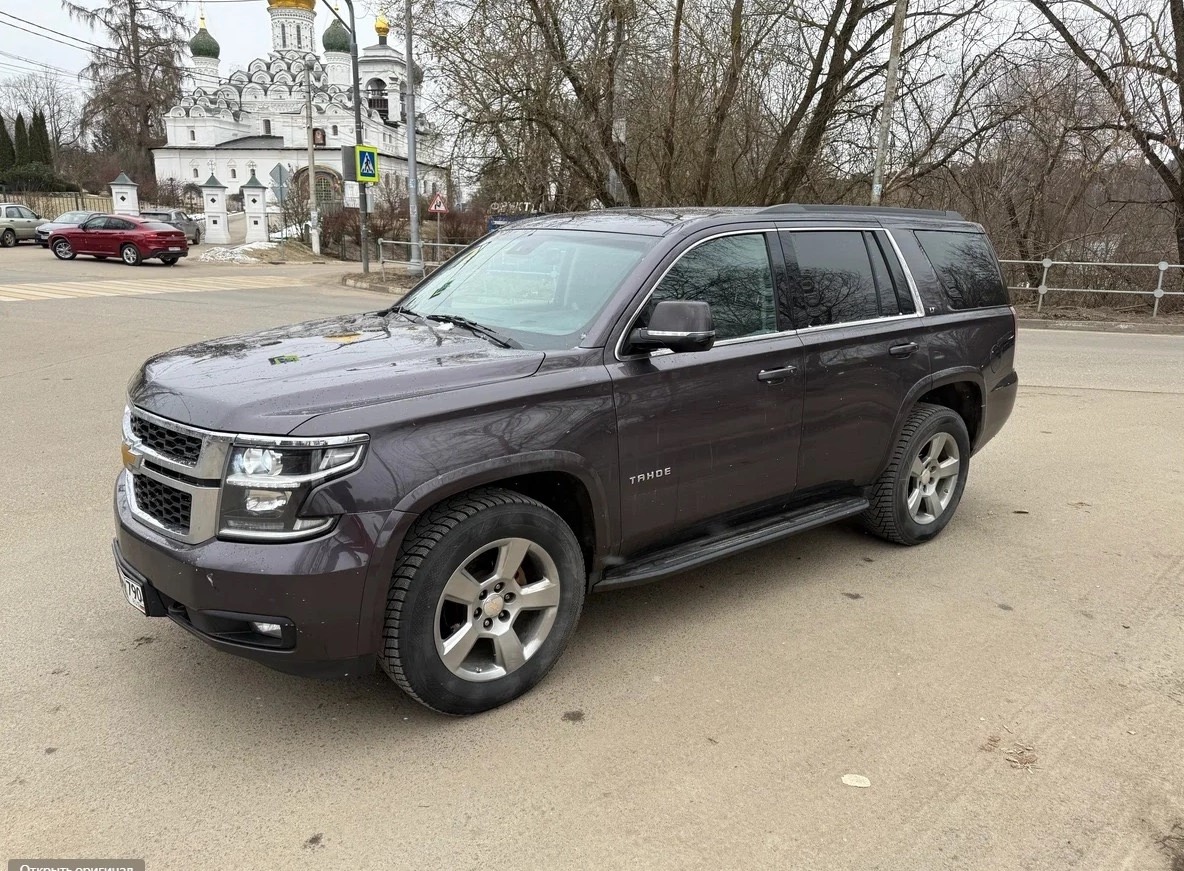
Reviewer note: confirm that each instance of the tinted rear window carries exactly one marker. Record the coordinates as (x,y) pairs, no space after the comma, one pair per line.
(158,227)
(966,267)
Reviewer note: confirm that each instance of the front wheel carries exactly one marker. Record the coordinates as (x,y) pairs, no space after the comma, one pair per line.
(920,490)
(63,250)
(8,239)
(486,593)
(130,255)
(197,238)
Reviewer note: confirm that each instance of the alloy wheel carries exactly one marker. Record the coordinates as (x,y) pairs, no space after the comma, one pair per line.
(933,478)
(497,609)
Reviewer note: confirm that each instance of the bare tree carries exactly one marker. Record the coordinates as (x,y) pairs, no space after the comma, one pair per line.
(50,94)
(137,77)
(1135,51)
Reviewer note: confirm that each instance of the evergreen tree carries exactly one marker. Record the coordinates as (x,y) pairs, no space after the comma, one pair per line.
(7,149)
(40,149)
(22,140)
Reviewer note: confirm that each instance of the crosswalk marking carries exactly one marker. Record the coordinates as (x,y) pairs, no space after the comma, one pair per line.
(36,291)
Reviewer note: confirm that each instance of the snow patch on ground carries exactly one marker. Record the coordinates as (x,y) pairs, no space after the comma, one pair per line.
(236,253)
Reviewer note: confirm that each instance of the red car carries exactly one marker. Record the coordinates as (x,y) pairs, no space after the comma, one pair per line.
(132,240)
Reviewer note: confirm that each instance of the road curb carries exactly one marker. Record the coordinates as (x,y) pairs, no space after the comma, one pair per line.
(1103,326)
(375,285)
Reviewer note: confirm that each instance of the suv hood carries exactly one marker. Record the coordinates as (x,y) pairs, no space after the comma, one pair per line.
(271,381)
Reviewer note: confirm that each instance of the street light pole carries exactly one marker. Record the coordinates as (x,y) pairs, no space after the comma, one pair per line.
(314,218)
(889,101)
(415,264)
(359,138)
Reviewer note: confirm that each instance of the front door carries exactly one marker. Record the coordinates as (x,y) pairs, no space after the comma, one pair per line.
(708,433)
(27,223)
(864,350)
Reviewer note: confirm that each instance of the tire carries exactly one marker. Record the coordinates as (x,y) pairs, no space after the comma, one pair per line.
(130,255)
(8,239)
(63,250)
(100,257)
(432,608)
(915,475)
(169,261)
(196,238)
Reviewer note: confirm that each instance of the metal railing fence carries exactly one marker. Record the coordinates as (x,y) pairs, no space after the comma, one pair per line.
(1138,285)
(434,253)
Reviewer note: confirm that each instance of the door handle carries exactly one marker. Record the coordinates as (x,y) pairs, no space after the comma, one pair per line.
(774,376)
(906,350)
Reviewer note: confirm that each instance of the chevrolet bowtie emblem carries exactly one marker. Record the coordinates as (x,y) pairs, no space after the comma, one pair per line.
(131,459)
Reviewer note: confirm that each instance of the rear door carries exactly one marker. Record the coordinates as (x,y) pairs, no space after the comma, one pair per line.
(27,223)
(709,433)
(864,349)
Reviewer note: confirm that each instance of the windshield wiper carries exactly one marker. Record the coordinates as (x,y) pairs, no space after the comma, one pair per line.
(474,327)
(398,309)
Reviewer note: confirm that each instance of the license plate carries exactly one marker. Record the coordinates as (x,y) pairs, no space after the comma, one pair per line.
(133,591)
(175,248)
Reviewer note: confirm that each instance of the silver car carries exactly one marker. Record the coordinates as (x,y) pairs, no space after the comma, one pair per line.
(17,224)
(61,222)
(178,219)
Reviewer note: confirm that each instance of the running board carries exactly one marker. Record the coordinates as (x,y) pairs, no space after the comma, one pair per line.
(701,551)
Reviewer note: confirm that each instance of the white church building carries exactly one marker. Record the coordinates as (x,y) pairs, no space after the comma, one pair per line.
(256,119)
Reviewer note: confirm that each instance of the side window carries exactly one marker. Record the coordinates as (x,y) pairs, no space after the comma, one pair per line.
(27,213)
(119,224)
(966,267)
(831,278)
(13,212)
(732,273)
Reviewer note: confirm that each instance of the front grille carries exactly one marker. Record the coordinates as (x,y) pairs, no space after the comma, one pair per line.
(171,508)
(174,445)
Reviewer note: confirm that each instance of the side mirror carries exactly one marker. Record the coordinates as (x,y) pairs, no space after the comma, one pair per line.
(681,326)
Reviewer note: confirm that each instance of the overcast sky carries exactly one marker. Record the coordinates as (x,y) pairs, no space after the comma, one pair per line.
(241,27)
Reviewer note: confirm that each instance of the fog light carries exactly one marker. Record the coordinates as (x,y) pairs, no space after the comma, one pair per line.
(272,629)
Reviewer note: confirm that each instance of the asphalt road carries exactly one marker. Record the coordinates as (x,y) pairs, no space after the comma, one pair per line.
(704,722)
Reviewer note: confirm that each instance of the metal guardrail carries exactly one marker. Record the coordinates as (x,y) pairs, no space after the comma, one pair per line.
(434,253)
(1157,293)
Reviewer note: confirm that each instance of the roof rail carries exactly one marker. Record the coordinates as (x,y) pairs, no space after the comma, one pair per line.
(800,208)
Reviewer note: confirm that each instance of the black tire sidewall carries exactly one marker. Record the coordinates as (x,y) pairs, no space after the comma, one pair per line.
(135,262)
(8,239)
(68,246)
(423,669)
(947,421)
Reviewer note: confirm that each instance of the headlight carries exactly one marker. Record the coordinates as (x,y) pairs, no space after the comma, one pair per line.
(267,481)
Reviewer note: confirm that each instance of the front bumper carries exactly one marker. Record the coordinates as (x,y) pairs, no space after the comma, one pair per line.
(315,589)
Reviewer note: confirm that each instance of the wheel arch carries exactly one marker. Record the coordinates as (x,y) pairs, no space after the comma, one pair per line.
(961,389)
(561,480)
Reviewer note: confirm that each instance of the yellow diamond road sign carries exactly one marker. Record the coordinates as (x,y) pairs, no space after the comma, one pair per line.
(366,164)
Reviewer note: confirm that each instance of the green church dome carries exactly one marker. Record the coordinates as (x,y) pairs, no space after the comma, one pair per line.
(204,45)
(336,38)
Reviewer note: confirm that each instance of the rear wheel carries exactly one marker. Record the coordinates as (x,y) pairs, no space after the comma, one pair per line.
(920,490)
(487,590)
(130,255)
(8,239)
(63,250)
(169,261)
(197,237)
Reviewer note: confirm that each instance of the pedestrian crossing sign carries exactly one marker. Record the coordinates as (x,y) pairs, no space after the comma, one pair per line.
(366,164)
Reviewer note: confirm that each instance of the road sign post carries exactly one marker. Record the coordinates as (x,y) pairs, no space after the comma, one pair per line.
(438,208)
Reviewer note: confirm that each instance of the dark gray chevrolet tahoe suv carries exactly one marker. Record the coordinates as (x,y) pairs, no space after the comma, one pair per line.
(574,403)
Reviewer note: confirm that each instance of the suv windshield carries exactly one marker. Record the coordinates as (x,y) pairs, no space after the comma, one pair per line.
(541,288)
